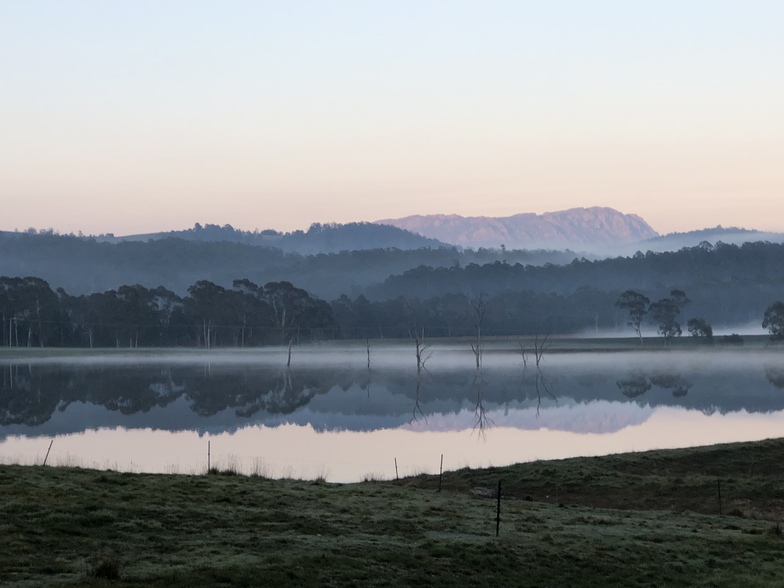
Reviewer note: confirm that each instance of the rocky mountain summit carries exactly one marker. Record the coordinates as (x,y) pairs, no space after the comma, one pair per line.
(581,228)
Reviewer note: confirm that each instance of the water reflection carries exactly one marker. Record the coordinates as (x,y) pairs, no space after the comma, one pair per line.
(581,394)
(483,420)
(638,382)
(31,395)
(775,376)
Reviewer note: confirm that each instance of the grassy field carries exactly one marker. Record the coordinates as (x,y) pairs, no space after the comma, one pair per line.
(643,519)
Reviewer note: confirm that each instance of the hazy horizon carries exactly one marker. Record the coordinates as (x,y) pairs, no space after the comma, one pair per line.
(242,227)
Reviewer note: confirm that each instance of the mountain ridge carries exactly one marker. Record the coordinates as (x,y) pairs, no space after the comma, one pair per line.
(575,227)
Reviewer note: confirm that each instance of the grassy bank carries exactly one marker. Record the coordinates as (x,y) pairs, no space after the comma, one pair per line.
(645,519)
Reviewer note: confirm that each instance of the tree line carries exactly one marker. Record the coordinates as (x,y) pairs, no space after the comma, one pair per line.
(34,315)
(279,313)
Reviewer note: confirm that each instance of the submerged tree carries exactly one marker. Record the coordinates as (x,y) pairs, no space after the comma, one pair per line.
(479,306)
(636,305)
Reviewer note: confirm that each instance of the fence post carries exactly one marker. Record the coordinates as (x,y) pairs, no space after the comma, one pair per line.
(48,450)
(498,511)
(718,485)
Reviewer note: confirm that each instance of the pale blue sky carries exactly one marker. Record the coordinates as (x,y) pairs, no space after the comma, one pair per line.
(137,116)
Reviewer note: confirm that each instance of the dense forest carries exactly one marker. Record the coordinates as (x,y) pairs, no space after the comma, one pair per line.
(85,265)
(727,284)
(721,285)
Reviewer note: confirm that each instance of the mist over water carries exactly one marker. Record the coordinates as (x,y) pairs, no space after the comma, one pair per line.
(330,415)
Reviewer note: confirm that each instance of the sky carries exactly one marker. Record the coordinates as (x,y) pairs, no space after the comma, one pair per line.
(135,117)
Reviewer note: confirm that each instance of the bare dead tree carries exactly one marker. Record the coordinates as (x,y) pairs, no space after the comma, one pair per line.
(417,332)
(540,347)
(367,347)
(479,307)
(524,353)
(421,348)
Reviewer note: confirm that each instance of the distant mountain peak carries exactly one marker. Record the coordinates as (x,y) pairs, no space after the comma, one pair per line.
(595,226)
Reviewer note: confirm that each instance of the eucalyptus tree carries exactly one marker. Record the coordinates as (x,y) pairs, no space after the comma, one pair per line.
(774,320)
(699,327)
(636,304)
(665,313)
(205,306)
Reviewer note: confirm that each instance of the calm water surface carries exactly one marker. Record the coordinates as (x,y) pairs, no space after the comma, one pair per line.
(331,416)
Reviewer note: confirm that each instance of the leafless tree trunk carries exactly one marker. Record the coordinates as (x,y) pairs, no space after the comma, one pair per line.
(421,348)
(480,309)
(539,348)
(524,353)
(40,323)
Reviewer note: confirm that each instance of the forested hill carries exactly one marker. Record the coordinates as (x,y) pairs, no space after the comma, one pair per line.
(728,283)
(751,263)
(319,238)
(723,285)
(676,241)
(83,265)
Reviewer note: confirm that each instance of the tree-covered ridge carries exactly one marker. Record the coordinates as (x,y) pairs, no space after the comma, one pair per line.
(727,283)
(319,238)
(750,262)
(83,265)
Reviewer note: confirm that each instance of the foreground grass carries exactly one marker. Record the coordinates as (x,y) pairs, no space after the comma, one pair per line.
(646,519)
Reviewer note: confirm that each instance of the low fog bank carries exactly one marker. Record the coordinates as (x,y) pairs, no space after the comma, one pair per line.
(650,332)
(435,355)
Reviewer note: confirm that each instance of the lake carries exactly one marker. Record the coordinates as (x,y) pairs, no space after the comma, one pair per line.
(330,416)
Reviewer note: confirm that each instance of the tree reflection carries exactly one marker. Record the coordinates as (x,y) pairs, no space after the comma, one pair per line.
(672,381)
(31,394)
(24,399)
(417,413)
(227,393)
(483,420)
(639,382)
(775,376)
(634,385)
(535,377)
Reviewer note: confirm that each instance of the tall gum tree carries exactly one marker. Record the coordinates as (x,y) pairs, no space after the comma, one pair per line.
(636,304)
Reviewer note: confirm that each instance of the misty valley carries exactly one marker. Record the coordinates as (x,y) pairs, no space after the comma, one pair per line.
(366,350)
(349,412)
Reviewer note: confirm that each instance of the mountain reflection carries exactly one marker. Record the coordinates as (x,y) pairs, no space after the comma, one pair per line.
(196,396)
